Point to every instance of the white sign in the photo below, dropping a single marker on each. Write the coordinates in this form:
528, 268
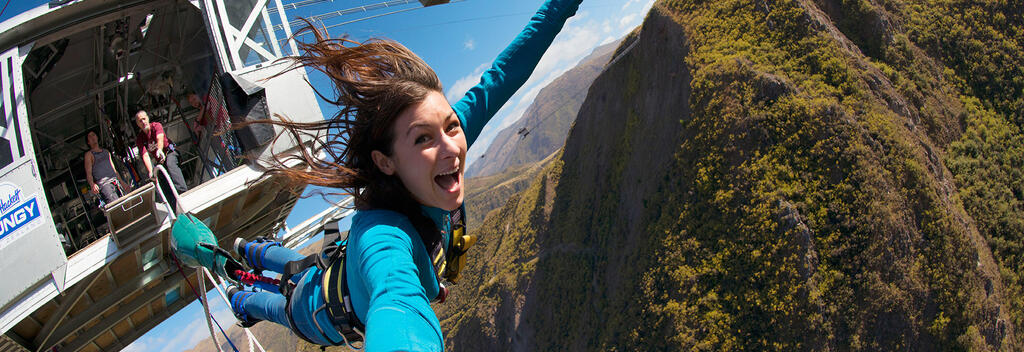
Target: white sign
18, 214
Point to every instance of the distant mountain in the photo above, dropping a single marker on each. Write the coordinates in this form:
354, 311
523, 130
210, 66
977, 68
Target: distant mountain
782, 175
547, 120
271, 336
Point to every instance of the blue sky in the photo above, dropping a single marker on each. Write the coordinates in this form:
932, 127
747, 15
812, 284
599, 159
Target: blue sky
459, 40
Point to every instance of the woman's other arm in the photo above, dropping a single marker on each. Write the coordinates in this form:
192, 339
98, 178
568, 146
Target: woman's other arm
399, 317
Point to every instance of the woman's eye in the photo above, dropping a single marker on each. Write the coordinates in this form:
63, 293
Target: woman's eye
452, 127
421, 139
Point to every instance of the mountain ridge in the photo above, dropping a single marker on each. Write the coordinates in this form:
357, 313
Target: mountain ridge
772, 176
546, 122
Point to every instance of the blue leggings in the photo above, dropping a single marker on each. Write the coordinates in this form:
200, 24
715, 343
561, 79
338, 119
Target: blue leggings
271, 306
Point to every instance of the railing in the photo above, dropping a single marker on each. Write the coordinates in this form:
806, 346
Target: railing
173, 211
296, 236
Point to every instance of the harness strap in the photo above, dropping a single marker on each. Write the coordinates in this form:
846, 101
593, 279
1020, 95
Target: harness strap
338, 302
455, 258
330, 259
292, 268
337, 299
323, 259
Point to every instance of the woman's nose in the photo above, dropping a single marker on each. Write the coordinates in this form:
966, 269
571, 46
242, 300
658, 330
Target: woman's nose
449, 146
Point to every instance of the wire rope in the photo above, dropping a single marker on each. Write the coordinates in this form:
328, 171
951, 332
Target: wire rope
5, 7
202, 299
348, 11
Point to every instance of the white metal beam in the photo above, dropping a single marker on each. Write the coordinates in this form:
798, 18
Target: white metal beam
259, 49
268, 29
287, 27
116, 298
86, 261
249, 22
225, 24
213, 22
307, 229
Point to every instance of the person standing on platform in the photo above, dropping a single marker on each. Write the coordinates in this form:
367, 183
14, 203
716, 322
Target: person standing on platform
100, 172
156, 149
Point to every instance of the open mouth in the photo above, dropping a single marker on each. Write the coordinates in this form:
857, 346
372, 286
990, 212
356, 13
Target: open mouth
448, 181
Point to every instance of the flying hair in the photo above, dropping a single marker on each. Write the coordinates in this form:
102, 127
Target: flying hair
373, 82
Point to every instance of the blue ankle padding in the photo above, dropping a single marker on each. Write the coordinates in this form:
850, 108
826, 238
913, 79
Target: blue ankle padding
260, 246
249, 255
237, 302
234, 301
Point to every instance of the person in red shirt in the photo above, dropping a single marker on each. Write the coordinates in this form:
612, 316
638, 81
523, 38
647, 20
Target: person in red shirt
155, 149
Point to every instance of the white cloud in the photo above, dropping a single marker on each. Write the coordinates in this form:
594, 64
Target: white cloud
630, 21
469, 44
627, 20
139, 346
646, 7
191, 335
579, 16
513, 116
629, 3
459, 88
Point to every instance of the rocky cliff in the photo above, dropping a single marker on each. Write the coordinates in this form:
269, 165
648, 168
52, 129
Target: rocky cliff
774, 175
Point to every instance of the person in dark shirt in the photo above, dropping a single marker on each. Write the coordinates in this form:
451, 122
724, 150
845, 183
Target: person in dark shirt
100, 172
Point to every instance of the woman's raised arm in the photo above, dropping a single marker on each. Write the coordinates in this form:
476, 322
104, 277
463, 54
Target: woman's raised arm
512, 67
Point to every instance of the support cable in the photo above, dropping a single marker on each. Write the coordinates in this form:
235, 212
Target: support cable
253, 343
371, 17
5, 7
202, 298
298, 4
209, 316
348, 11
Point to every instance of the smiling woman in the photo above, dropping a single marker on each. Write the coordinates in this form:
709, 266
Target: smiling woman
428, 153
399, 149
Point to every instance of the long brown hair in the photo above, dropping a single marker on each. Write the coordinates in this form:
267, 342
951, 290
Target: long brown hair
373, 83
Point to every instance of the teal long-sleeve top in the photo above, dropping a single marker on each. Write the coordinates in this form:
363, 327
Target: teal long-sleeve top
390, 276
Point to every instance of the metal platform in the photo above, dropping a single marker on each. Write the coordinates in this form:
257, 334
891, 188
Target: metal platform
76, 66
114, 294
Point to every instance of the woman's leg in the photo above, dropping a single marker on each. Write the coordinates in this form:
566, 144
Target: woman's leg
252, 306
266, 255
306, 300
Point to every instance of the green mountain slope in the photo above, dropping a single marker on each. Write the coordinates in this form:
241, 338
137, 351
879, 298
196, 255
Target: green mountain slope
790, 175
547, 119
487, 193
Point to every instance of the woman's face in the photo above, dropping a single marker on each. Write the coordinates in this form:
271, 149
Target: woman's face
428, 153
92, 139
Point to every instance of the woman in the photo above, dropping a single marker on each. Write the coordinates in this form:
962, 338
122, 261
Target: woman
100, 172
399, 149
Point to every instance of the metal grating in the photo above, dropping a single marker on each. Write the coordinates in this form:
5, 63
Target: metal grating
8, 345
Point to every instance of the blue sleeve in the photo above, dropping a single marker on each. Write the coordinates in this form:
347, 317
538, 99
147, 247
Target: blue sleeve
399, 317
512, 67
